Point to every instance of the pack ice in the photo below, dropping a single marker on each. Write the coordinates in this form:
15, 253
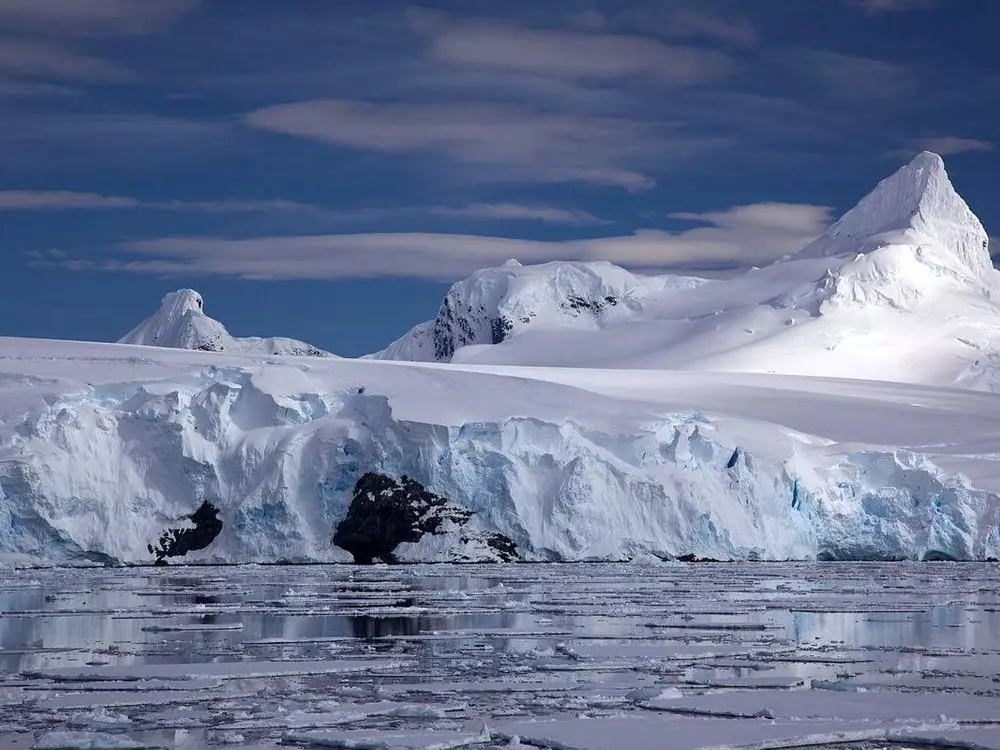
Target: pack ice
837, 404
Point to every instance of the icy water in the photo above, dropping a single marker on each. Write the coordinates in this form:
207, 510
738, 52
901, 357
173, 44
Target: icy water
624, 657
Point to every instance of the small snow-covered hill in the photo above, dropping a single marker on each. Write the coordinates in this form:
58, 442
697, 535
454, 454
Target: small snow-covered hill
181, 323
901, 288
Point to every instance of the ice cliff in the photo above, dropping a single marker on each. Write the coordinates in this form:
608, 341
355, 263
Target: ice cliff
110, 453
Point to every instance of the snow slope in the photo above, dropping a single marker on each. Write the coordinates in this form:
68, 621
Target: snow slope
900, 288
181, 323
103, 446
497, 304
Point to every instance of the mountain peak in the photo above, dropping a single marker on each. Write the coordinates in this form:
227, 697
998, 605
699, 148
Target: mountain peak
181, 323
916, 205
182, 301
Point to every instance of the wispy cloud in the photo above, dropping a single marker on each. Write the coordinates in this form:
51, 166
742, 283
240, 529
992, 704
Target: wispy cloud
47, 130
674, 23
522, 143
515, 211
30, 200
568, 54
35, 59
742, 236
851, 78
943, 145
34, 200
91, 17
37, 200
891, 6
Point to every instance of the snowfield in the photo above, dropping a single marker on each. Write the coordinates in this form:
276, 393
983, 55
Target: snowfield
837, 404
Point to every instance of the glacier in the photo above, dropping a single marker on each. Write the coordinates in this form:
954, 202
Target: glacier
94, 465
837, 404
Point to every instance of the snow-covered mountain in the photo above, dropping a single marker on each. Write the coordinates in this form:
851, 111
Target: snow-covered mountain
181, 323
684, 427
900, 288
497, 304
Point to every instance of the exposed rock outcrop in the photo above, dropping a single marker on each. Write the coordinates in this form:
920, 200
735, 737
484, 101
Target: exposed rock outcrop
386, 513
176, 542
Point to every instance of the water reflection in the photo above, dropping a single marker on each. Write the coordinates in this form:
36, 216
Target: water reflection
603, 628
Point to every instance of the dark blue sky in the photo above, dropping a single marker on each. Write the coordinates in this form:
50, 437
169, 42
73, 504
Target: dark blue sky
323, 169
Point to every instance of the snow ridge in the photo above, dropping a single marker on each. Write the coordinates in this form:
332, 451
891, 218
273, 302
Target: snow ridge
181, 323
900, 288
495, 304
917, 205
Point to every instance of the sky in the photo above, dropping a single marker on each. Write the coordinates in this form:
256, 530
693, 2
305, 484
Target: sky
324, 169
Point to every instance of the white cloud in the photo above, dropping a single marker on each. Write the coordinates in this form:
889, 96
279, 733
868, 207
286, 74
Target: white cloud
568, 54
742, 235
34, 47
851, 77
515, 211
33, 200
34, 59
683, 23
27, 200
633, 182
891, 6
471, 132
87, 17
13, 88
947, 145
518, 142
52, 129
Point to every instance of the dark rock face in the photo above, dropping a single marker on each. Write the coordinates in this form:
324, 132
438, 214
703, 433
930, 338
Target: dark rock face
504, 547
596, 306
689, 558
178, 542
499, 328
385, 513
459, 323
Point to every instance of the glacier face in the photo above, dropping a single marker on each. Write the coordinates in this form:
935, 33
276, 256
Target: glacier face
181, 323
104, 447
